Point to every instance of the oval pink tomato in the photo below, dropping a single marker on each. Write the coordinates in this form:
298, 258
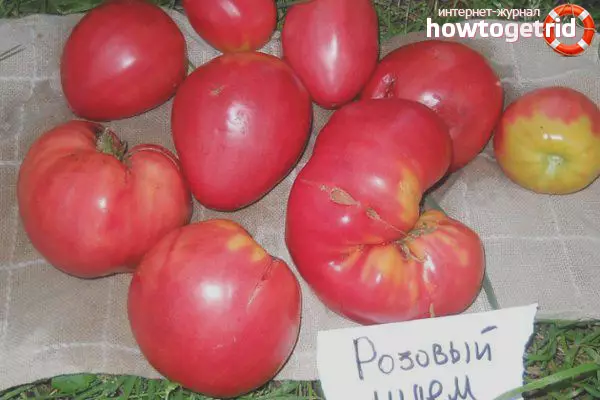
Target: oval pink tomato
450, 78
233, 25
211, 310
333, 45
548, 141
240, 123
353, 226
90, 207
123, 58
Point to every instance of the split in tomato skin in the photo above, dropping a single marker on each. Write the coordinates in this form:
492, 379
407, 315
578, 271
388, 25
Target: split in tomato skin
91, 207
548, 141
213, 311
353, 226
123, 58
452, 79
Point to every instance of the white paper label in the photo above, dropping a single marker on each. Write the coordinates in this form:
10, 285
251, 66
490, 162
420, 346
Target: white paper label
469, 356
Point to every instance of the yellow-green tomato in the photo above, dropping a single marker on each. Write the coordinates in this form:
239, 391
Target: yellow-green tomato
548, 141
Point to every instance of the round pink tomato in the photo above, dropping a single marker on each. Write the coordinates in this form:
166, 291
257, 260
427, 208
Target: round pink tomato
123, 58
453, 80
233, 25
240, 123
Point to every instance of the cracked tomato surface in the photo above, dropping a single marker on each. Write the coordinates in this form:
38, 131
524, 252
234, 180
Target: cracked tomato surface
353, 224
213, 311
452, 79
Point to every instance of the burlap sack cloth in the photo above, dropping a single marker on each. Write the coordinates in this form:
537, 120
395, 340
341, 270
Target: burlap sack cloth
539, 248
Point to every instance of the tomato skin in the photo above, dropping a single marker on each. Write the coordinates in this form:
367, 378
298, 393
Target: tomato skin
211, 310
123, 58
333, 45
450, 78
354, 206
451, 262
240, 124
233, 25
90, 214
548, 141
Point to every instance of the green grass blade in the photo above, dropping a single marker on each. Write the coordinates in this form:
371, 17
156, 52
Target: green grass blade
594, 391
551, 380
490, 293
177, 395
127, 387
13, 394
69, 384
591, 337
151, 390
91, 392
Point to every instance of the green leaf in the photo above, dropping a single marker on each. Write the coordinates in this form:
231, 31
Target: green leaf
152, 384
69, 384
177, 395
95, 392
14, 393
288, 386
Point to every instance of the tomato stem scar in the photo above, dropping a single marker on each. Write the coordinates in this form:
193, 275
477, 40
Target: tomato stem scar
107, 142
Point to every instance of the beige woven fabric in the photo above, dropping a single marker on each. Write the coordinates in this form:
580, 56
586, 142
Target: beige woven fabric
539, 248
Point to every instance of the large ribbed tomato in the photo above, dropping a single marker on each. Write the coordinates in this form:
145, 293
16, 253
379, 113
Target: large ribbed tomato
123, 58
93, 208
211, 310
353, 224
240, 123
333, 45
233, 25
450, 78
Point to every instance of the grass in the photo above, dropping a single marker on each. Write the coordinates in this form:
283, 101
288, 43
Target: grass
396, 16
562, 361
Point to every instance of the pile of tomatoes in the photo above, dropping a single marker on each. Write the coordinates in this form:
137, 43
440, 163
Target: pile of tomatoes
208, 306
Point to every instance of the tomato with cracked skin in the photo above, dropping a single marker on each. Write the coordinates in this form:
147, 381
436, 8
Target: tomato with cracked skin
453, 80
233, 25
93, 208
123, 58
548, 141
240, 123
353, 224
333, 45
213, 311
